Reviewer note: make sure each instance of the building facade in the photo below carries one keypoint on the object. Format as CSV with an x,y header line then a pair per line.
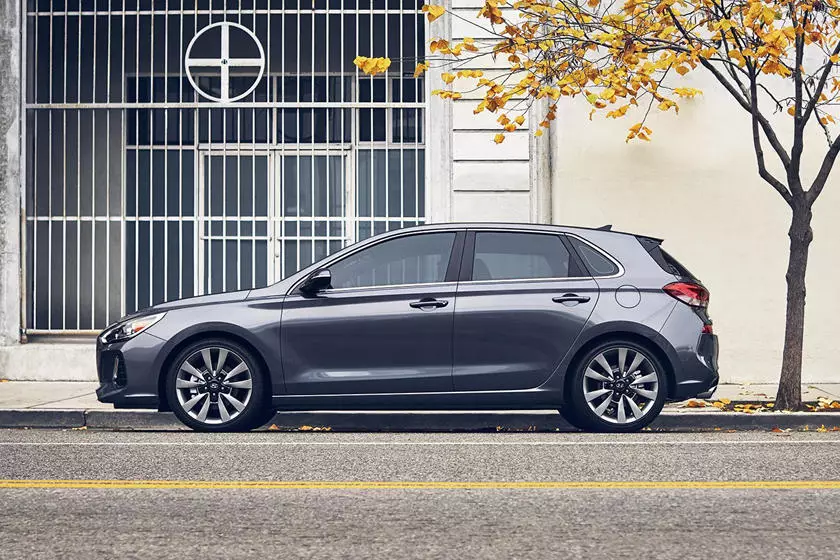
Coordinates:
x,y
160,149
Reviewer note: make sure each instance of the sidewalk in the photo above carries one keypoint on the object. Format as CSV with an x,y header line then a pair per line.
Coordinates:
x,y
73,404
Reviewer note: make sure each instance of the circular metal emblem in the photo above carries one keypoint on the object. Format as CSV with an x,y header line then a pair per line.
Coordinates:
x,y
223,62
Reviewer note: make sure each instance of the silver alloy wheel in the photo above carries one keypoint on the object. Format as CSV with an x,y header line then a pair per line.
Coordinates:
x,y
620,385
214,385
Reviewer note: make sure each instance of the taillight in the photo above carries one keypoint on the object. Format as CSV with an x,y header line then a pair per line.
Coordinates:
x,y
689,293
708,329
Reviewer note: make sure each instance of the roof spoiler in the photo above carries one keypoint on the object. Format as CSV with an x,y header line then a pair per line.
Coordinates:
x,y
607,227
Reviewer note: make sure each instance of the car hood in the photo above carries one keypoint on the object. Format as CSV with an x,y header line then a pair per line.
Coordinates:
x,y
227,297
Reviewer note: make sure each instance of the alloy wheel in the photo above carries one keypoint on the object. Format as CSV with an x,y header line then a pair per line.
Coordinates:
x,y
620,385
214,385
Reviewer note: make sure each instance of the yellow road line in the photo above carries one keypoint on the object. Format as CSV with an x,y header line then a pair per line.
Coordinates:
x,y
420,485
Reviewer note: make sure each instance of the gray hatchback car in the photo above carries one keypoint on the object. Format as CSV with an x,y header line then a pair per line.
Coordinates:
x,y
603,326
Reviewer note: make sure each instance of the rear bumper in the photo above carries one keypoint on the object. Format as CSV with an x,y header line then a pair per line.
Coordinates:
x,y
127,378
697,370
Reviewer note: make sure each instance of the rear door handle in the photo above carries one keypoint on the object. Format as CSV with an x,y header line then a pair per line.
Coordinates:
x,y
427,303
570,298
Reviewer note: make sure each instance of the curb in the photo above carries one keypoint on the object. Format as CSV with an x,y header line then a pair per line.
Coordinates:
x,y
668,421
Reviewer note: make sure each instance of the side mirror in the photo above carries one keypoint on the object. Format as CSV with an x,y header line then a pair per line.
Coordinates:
x,y
320,280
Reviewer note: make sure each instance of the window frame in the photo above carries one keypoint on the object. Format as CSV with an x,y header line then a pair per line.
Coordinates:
x,y
576,264
450,276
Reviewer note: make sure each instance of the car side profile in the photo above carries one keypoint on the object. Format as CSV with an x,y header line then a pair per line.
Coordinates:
x,y
603,326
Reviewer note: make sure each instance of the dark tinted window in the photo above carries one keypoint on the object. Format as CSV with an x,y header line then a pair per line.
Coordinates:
x,y
506,256
414,259
597,263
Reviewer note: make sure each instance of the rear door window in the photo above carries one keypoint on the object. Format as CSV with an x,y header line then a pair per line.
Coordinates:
x,y
519,256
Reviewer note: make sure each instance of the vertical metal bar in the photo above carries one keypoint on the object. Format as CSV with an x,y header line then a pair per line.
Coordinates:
x,y
298,139
402,114
123,161
107,181
93,191
64,181
79,183
165,151
50,175
254,166
137,162
151,217
313,217
181,157
33,184
328,161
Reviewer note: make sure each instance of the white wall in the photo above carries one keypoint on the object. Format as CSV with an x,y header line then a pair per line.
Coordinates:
x,y
697,186
490,182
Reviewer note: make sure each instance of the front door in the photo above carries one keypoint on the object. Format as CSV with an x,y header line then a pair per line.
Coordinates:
x,y
385,326
519,310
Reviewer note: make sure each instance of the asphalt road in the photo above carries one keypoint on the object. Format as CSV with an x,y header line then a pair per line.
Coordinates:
x,y
87,494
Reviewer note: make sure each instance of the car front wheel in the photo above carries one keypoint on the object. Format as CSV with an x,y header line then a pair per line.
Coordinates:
x,y
217,386
618,386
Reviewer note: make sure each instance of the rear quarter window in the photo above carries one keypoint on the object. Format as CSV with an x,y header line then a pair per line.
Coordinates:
x,y
594,260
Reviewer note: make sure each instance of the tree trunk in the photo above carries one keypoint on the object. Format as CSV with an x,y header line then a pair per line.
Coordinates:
x,y
789,396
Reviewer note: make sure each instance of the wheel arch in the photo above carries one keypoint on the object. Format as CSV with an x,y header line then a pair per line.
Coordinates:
x,y
646,340
194,335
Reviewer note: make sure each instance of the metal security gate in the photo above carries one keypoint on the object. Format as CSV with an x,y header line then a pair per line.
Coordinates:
x,y
181,147
266,214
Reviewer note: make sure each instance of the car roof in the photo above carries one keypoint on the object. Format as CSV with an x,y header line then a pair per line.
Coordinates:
x,y
516,226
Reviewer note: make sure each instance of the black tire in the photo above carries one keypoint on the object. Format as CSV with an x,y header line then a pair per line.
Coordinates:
x,y
579,409
256,407
568,414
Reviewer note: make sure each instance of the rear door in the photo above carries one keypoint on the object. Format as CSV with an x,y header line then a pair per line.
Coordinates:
x,y
523,299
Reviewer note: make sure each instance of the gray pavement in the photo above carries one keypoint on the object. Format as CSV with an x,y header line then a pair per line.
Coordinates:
x,y
357,518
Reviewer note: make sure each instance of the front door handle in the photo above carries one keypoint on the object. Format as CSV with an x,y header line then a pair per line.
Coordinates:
x,y
570,298
427,303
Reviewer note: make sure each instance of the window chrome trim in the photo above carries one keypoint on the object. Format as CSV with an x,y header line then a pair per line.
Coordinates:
x,y
338,258
384,286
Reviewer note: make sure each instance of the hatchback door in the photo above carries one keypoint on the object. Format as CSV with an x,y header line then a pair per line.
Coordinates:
x,y
522,302
385,325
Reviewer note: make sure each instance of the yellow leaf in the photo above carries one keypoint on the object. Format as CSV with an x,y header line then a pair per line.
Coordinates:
x,y
433,11
447,77
834,58
725,401
608,93
372,66
422,67
499,138
274,427
682,70
791,110
538,133
520,120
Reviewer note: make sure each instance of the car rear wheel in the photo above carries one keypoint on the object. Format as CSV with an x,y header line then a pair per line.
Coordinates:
x,y
618,386
217,386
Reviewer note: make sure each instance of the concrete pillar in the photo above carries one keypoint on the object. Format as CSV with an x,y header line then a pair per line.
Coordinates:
x,y
10,171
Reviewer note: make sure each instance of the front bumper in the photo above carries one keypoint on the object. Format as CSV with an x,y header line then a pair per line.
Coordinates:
x,y
129,371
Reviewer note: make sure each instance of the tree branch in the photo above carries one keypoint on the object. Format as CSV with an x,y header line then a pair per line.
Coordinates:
x,y
759,151
825,170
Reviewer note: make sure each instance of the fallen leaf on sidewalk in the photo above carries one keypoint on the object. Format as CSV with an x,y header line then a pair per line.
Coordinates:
x,y
79,428
822,428
4,380
273,428
695,404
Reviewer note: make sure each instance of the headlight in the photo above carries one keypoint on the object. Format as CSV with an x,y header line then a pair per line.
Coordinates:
x,y
129,329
